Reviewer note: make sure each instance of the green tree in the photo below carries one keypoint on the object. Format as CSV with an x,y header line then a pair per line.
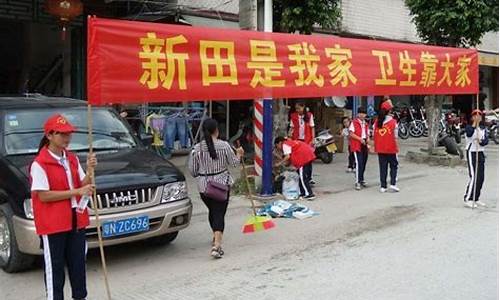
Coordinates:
x,y
303,15
457,23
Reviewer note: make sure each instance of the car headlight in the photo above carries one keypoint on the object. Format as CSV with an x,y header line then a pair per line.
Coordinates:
x,y
174,191
28,208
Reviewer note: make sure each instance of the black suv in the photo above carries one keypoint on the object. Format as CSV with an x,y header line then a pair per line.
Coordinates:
x,y
139,194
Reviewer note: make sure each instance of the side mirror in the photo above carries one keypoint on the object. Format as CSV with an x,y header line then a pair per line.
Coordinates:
x,y
146,139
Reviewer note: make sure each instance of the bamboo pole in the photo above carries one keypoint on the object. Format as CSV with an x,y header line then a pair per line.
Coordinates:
x,y
477,158
94,204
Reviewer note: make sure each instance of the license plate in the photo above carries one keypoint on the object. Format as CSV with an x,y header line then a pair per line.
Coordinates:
x,y
332,148
125,226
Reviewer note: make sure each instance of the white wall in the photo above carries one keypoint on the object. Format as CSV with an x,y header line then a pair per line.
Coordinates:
x,y
378,18
490,42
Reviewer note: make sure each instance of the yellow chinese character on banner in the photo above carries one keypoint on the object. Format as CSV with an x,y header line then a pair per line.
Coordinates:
x,y
222,58
462,78
154,64
172,59
407,66
384,57
340,68
447,65
305,60
263,60
429,72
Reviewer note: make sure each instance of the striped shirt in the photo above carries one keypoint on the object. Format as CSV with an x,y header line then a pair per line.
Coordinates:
x,y
205,169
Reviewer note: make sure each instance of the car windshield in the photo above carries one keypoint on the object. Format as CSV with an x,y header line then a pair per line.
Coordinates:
x,y
24,130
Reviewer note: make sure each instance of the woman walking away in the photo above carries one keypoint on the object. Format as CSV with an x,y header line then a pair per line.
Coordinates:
x,y
60,192
386,146
475,140
346,122
209,162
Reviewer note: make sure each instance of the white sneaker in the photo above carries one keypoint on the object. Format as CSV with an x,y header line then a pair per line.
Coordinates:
x,y
469,204
480,203
383,190
394,188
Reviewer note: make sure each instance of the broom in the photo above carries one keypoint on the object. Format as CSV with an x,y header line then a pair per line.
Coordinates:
x,y
254,223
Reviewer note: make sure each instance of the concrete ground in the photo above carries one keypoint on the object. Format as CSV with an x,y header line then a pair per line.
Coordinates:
x,y
420,243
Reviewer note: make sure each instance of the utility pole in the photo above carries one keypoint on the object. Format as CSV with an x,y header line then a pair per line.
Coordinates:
x,y
264,115
258,15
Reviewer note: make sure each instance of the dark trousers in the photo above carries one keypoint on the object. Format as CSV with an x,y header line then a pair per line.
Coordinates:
x,y
60,250
309,170
385,161
478,183
360,158
305,179
352,161
216,212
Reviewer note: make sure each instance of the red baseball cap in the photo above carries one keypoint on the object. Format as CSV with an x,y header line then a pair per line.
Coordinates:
x,y
477,112
387,105
58,123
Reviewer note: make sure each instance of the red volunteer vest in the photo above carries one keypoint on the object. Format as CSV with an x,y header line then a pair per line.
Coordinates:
x,y
307,128
302,153
385,138
355,144
54,217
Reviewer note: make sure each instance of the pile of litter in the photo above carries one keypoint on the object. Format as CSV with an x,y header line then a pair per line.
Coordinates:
x,y
285,209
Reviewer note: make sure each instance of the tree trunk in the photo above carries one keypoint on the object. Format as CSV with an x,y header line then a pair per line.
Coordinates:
x,y
433,106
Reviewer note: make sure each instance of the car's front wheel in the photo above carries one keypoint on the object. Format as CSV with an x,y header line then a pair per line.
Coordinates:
x,y
11,259
164,239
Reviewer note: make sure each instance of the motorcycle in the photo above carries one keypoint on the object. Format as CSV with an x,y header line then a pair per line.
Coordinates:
x,y
491,122
423,119
453,126
415,127
403,130
448,141
324,146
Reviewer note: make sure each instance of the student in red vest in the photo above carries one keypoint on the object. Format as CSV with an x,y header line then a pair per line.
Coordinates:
x,y
302,127
359,139
58,183
301,156
386,145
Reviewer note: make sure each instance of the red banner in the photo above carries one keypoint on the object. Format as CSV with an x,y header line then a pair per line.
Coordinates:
x,y
135,62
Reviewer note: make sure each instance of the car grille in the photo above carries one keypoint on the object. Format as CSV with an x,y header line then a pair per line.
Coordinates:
x,y
115,200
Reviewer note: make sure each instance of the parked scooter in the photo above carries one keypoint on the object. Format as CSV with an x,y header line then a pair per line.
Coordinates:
x,y
324,145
